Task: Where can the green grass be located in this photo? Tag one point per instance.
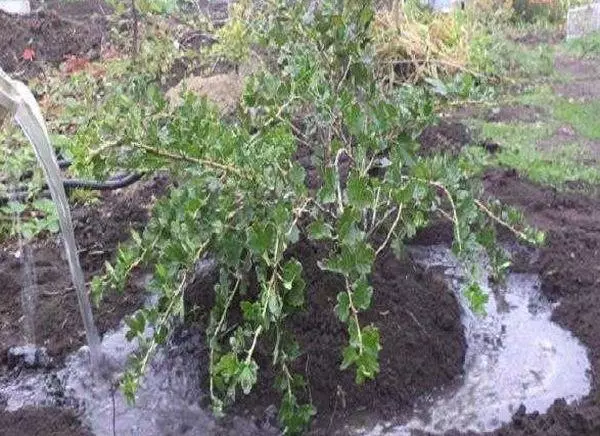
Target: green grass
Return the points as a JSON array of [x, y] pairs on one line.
[[585, 47], [584, 117], [519, 151]]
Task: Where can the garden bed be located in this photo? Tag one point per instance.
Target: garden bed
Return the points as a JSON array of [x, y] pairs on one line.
[[422, 337]]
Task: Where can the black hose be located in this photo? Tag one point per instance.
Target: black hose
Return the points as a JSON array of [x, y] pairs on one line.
[[108, 185], [69, 184]]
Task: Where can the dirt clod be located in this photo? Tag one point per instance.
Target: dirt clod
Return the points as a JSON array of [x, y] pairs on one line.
[[446, 137]]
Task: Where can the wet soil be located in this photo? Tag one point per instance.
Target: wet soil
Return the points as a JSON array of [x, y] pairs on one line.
[[42, 421], [56, 30], [569, 265], [422, 338]]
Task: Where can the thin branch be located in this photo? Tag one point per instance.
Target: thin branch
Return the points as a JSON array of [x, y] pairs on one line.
[[339, 181], [216, 333], [391, 232], [254, 341], [191, 159], [503, 223]]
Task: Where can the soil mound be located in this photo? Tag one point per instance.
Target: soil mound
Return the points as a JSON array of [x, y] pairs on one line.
[[423, 344], [446, 137]]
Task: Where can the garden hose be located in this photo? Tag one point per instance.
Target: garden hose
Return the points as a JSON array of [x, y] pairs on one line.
[[93, 185]]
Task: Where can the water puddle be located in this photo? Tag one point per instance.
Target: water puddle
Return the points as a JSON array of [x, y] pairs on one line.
[[516, 355]]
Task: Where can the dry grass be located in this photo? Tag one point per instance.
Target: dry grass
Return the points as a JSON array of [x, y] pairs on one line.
[[412, 44]]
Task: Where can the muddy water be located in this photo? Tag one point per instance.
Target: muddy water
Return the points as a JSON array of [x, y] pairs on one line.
[[516, 355], [167, 403]]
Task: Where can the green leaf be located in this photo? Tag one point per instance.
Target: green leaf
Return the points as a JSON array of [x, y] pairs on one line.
[[227, 366], [327, 193], [291, 270], [361, 296], [251, 311], [355, 260], [476, 297], [347, 227], [342, 308], [137, 323], [295, 296], [350, 356], [359, 192], [248, 376], [368, 363], [318, 230], [370, 337], [260, 238]]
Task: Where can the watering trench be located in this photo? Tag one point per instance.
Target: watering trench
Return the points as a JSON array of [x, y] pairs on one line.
[[515, 355]]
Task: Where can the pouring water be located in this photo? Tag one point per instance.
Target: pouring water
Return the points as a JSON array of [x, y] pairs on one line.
[[17, 100]]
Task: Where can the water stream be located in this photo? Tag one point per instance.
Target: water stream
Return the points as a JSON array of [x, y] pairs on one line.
[[29, 292], [19, 100]]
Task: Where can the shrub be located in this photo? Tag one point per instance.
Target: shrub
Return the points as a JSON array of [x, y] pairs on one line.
[[241, 198]]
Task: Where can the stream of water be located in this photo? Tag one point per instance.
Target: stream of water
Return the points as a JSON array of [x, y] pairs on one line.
[[29, 292], [16, 97]]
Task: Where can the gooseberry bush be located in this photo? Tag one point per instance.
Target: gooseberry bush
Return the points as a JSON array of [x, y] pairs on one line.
[[240, 199]]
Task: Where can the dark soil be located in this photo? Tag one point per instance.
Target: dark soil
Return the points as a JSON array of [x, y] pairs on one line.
[[42, 421], [521, 113], [98, 230], [60, 29], [445, 137], [423, 345], [540, 37]]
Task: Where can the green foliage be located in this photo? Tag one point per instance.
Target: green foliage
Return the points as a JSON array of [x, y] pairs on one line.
[[582, 116], [496, 55], [550, 11], [234, 38], [240, 198], [587, 46], [146, 6]]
